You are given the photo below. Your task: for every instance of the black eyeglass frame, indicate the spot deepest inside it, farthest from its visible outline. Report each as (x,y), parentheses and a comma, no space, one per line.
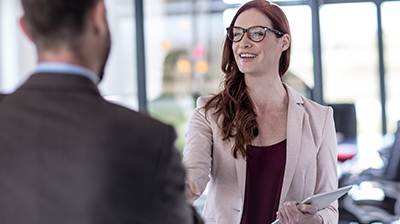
(245,31)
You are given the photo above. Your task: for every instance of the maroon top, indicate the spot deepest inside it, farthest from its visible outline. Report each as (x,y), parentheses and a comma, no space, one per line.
(264,177)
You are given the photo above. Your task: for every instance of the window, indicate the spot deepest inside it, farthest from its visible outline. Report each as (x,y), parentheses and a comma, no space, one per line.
(350,61)
(391,36)
(119,84)
(301,63)
(183,52)
(17,56)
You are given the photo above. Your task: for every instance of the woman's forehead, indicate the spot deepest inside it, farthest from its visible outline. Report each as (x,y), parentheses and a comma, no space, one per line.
(252,17)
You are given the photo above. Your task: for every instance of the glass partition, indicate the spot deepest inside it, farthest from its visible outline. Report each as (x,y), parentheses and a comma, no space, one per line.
(391,43)
(350,61)
(300,74)
(17,56)
(183,53)
(119,84)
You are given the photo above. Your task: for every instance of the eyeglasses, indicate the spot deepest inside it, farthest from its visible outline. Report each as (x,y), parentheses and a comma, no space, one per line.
(255,33)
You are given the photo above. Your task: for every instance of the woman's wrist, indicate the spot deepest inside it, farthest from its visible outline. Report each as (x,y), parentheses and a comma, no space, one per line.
(318,219)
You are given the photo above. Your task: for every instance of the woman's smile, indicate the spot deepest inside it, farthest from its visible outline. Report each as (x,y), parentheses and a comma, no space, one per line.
(247,55)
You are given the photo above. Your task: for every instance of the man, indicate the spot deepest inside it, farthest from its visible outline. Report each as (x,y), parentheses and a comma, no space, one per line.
(68,156)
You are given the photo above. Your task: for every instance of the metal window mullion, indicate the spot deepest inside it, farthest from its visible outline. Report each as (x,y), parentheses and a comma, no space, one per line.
(381,69)
(317,93)
(140,57)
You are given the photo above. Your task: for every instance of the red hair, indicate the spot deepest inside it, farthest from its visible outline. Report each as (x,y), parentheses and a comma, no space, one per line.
(233,102)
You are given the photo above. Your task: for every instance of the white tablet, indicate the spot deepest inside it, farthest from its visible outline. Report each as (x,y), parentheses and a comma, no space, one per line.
(324,199)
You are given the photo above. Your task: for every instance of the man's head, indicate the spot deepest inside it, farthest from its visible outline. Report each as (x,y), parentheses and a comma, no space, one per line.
(75,25)
(52,23)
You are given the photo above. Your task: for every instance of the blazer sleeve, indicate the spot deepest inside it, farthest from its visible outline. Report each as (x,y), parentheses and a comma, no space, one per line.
(172,200)
(197,155)
(327,167)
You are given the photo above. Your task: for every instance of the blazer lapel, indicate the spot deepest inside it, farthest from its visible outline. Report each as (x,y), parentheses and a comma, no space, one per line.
(240,163)
(294,132)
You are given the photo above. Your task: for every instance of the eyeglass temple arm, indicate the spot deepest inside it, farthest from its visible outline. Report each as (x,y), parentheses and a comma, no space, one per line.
(275,31)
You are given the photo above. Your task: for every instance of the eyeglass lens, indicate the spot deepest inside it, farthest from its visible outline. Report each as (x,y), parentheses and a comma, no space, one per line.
(254,33)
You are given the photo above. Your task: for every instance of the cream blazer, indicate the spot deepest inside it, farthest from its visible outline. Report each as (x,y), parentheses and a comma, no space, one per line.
(311,160)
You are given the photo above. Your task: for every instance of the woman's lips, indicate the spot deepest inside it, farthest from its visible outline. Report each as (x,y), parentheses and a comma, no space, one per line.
(247,55)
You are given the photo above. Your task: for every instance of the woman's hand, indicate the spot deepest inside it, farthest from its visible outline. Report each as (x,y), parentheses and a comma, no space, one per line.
(192,191)
(292,212)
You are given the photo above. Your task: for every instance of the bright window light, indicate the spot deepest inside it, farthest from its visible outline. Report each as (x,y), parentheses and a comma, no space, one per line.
(228,16)
(235,1)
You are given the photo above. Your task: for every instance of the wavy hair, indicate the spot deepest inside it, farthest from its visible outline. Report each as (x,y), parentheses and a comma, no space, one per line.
(233,102)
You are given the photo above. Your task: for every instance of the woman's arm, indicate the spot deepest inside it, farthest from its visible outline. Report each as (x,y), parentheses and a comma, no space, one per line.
(197,155)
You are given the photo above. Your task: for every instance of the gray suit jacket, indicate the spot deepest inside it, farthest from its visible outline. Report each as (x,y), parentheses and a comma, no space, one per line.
(68,156)
(1,97)
(310,164)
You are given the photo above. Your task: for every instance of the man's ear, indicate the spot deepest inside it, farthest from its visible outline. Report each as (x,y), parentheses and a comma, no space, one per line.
(98,17)
(24,26)
(285,42)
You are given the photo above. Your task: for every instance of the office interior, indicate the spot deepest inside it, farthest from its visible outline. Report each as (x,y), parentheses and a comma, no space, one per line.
(166,53)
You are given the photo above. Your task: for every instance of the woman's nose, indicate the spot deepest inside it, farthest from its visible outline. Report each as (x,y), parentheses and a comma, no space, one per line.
(245,42)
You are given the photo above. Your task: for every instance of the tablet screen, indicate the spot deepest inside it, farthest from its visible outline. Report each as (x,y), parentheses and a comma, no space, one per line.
(324,199)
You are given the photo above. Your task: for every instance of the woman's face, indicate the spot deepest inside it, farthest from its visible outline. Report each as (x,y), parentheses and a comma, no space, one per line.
(258,58)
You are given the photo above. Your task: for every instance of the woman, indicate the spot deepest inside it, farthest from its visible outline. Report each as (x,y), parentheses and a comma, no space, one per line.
(259,144)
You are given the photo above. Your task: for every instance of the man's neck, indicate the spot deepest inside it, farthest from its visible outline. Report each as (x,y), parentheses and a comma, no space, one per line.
(64,55)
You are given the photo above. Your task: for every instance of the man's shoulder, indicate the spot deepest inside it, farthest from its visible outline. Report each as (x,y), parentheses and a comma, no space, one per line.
(2,96)
(128,115)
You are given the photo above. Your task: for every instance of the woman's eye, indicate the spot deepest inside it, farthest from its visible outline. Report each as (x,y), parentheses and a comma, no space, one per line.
(257,33)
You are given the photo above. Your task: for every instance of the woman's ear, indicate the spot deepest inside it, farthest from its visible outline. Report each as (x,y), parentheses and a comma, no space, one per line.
(24,27)
(285,42)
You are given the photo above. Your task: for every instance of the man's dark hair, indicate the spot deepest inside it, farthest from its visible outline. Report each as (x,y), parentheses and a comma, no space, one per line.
(55,22)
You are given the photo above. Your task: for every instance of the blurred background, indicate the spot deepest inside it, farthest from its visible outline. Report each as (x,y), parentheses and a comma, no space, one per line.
(166,53)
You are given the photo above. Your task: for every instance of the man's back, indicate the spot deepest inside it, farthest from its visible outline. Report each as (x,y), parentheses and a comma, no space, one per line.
(68,156)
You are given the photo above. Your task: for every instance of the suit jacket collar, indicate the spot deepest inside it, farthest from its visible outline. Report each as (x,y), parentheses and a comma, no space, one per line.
(57,81)
(294,131)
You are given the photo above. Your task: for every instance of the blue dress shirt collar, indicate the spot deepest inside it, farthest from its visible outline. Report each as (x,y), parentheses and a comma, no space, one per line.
(65,68)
